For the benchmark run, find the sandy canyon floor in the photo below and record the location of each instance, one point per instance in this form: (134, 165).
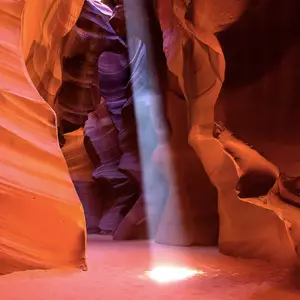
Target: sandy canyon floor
(118, 270)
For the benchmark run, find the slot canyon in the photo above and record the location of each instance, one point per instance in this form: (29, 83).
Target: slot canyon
(149, 149)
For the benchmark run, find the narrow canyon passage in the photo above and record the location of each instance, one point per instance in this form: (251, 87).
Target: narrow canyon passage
(149, 149)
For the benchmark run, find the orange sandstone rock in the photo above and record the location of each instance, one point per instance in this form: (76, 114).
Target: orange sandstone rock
(42, 223)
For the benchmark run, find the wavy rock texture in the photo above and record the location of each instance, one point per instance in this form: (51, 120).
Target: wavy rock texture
(121, 192)
(78, 161)
(216, 187)
(42, 223)
(95, 76)
(90, 37)
(195, 57)
(43, 41)
(267, 116)
(81, 169)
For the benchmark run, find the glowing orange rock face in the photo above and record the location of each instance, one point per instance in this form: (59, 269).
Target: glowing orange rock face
(42, 223)
(195, 56)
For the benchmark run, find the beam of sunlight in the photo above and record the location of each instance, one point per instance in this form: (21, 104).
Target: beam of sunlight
(148, 110)
(148, 107)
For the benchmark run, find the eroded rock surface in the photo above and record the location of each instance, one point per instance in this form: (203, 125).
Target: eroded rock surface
(196, 58)
(209, 185)
(42, 223)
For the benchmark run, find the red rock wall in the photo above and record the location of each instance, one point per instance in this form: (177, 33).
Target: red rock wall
(42, 223)
(195, 58)
(209, 172)
(259, 103)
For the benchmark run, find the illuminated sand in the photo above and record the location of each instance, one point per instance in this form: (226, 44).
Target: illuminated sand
(117, 271)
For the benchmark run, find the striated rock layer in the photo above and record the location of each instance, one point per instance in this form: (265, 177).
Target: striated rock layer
(239, 173)
(81, 168)
(42, 223)
(218, 187)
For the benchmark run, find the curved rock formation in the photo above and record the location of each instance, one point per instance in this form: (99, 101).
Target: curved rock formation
(42, 41)
(42, 223)
(120, 190)
(217, 186)
(195, 57)
(81, 169)
(91, 36)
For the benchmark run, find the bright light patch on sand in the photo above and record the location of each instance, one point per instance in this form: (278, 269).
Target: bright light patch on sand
(172, 274)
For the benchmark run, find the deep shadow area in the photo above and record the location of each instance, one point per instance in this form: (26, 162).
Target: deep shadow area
(254, 45)
(255, 184)
(260, 97)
